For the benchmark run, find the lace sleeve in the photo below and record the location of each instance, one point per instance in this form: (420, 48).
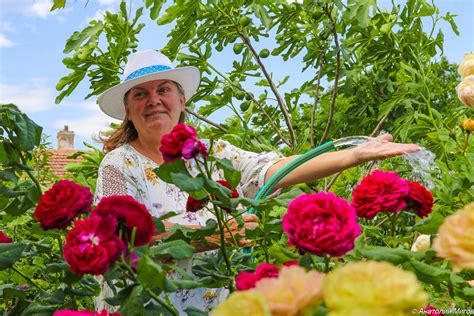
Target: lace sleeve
(253, 166)
(114, 178)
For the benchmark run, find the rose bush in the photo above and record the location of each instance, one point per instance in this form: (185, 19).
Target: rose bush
(321, 223)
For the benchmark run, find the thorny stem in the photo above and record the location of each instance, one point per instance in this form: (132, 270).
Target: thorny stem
(336, 78)
(316, 97)
(26, 278)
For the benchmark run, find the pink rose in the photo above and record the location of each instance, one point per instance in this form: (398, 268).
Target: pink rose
(419, 199)
(431, 310)
(59, 205)
(321, 223)
(134, 214)
(247, 280)
(181, 142)
(92, 245)
(4, 238)
(380, 191)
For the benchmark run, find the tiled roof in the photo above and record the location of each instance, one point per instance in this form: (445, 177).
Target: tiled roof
(58, 160)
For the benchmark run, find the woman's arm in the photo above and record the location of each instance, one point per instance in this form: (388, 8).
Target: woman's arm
(332, 162)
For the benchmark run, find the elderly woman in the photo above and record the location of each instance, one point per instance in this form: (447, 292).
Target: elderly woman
(151, 101)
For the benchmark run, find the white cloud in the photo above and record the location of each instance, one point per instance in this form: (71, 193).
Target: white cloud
(30, 97)
(7, 26)
(107, 2)
(86, 127)
(5, 42)
(42, 8)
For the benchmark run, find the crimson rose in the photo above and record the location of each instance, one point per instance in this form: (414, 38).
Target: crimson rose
(4, 238)
(134, 214)
(59, 205)
(321, 223)
(247, 280)
(92, 245)
(181, 142)
(380, 191)
(419, 199)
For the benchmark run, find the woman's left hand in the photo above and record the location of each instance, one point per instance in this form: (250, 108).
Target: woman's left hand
(382, 147)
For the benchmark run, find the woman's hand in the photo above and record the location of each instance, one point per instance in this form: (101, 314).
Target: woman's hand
(381, 148)
(250, 222)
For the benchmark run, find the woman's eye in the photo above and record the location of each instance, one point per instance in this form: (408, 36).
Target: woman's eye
(164, 89)
(139, 94)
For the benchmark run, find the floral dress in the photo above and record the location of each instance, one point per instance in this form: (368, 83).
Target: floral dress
(124, 171)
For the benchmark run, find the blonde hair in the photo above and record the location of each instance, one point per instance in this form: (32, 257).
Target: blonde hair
(127, 132)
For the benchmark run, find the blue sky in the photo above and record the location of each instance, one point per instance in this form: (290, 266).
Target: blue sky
(32, 40)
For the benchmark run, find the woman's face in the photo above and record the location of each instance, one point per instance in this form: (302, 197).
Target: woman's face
(154, 106)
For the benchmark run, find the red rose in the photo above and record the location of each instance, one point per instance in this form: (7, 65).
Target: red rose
(291, 263)
(59, 205)
(431, 310)
(67, 312)
(134, 214)
(380, 191)
(419, 199)
(181, 142)
(321, 223)
(247, 280)
(4, 238)
(193, 205)
(92, 245)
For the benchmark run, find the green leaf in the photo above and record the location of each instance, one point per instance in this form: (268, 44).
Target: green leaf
(150, 273)
(430, 225)
(9, 254)
(134, 303)
(77, 38)
(165, 170)
(282, 254)
(36, 309)
(58, 4)
(395, 256)
(193, 311)
(186, 182)
(230, 173)
(429, 273)
(178, 249)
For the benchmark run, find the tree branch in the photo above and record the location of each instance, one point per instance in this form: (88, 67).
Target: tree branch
(336, 79)
(379, 124)
(273, 87)
(199, 116)
(316, 97)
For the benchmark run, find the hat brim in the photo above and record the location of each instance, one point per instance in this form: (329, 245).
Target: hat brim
(111, 101)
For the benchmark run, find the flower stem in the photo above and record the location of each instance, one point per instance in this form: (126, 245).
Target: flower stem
(222, 245)
(60, 245)
(171, 309)
(327, 259)
(27, 278)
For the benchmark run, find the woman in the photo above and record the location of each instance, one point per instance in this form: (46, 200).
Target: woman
(151, 101)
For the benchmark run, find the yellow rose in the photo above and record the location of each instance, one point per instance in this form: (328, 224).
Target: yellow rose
(468, 125)
(466, 68)
(372, 288)
(465, 91)
(294, 292)
(243, 303)
(422, 243)
(455, 240)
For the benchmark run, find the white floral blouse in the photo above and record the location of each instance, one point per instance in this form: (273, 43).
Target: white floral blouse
(124, 171)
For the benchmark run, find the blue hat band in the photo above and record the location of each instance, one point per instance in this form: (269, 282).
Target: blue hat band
(146, 71)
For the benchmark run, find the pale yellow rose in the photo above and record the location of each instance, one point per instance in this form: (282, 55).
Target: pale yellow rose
(372, 288)
(422, 243)
(455, 240)
(465, 91)
(294, 292)
(241, 304)
(466, 68)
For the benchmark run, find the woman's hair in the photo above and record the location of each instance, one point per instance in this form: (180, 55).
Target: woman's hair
(126, 132)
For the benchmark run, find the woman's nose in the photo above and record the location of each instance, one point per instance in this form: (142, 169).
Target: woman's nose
(154, 98)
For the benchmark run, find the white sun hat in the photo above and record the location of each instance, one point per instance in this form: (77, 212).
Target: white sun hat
(143, 66)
